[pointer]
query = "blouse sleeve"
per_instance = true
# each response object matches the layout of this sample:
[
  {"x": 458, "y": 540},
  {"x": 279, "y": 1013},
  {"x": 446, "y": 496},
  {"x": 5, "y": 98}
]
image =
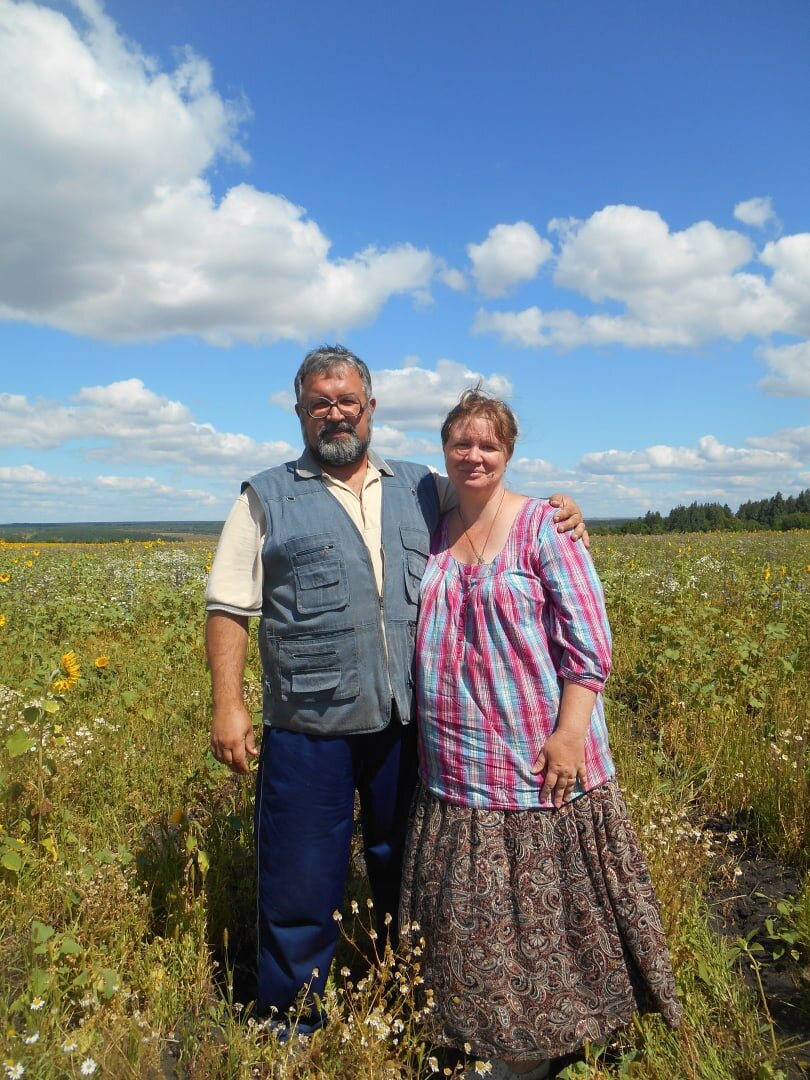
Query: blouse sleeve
[
  {"x": 235, "y": 581},
  {"x": 579, "y": 624}
]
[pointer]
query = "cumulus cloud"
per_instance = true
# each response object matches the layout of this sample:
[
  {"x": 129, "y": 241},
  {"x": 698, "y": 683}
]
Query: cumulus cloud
[
  {"x": 126, "y": 421},
  {"x": 391, "y": 442},
  {"x": 793, "y": 441},
  {"x": 790, "y": 367},
  {"x": 453, "y": 279},
  {"x": 33, "y": 494},
  {"x": 677, "y": 289},
  {"x": 757, "y": 212},
  {"x": 510, "y": 255},
  {"x": 22, "y": 474},
  {"x": 109, "y": 226},
  {"x": 135, "y": 486},
  {"x": 417, "y": 397},
  {"x": 709, "y": 456}
]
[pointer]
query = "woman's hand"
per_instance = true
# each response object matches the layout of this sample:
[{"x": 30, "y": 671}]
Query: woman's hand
[
  {"x": 569, "y": 518},
  {"x": 562, "y": 759}
]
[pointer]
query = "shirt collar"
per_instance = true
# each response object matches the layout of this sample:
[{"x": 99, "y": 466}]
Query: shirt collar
[{"x": 308, "y": 467}]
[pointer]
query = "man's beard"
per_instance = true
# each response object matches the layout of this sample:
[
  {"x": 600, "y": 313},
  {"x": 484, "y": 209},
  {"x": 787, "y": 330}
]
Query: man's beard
[{"x": 340, "y": 451}]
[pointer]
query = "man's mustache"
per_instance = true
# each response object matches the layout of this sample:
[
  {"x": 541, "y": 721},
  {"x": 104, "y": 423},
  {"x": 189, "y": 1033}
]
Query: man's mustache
[{"x": 335, "y": 427}]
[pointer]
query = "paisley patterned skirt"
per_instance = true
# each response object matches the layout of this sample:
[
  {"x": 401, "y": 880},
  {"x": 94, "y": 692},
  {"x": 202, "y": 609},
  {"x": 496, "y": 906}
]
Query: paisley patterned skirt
[{"x": 541, "y": 928}]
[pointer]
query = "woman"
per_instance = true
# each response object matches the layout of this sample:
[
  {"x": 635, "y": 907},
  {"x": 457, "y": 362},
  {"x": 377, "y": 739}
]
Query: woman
[{"x": 522, "y": 871}]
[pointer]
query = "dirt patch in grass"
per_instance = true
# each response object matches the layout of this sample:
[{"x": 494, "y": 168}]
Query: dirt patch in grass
[{"x": 740, "y": 903}]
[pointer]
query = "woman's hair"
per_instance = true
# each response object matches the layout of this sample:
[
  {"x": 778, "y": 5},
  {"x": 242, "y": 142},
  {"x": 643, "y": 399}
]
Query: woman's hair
[{"x": 475, "y": 404}]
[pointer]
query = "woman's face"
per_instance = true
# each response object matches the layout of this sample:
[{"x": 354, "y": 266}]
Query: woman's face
[{"x": 475, "y": 459}]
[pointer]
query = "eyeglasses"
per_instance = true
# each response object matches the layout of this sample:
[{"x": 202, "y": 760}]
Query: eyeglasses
[{"x": 351, "y": 407}]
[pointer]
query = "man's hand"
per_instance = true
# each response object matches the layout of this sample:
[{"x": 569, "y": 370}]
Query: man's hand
[
  {"x": 232, "y": 740},
  {"x": 569, "y": 518}
]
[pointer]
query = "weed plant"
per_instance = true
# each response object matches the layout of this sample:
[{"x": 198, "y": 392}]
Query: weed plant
[{"x": 127, "y": 907}]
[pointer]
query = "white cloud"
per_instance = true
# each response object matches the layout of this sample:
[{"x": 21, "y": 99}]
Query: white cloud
[
  {"x": 789, "y": 259},
  {"x": 148, "y": 486},
  {"x": 32, "y": 494},
  {"x": 109, "y": 226},
  {"x": 453, "y": 279},
  {"x": 22, "y": 474},
  {"x": 417, "y": 397},
  {"x": 794, "y": 441},
  {"x": 790, "y": 367},
  {"x": 756, "y": 212},
  {"x": 390, "y": 442},
  {"x": 510, "y": 255},
  {"x": 710, "y": 456},
  {"x": 133, "y": 424},
  {"x": 677, "y": 289}
]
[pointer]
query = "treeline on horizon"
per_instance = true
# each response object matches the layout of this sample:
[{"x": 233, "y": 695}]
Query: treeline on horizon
[
  {"x": 106, "y": 532},
  {"x": 777, "y": 513}
]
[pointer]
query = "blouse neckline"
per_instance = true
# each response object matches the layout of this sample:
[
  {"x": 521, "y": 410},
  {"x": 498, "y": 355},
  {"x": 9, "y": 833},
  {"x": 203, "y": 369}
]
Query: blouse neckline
[{"x": 469, "y": 570}]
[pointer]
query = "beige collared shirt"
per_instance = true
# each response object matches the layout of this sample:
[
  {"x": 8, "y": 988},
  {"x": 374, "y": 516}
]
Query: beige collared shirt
[{"x": 235, "y": 581}]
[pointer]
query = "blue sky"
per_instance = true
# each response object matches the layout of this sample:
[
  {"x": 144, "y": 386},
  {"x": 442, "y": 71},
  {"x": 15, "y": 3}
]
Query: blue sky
[{"x": 598, "y": 210}]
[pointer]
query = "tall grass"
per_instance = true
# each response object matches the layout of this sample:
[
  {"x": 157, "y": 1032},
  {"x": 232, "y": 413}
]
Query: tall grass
[{"x": 126, "y": 865}]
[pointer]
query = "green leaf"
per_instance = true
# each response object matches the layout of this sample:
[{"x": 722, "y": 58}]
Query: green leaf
[
  {"x": 69, "y": 947},
  {"x": 39, "y": 981},
  {"x": 40, "y": 932},
  {"x": 12, "y": 861},
  {"x": 19, "y": 743},
  {"x": 111, "y": 982},
  {"x": 51, "y": 706}
]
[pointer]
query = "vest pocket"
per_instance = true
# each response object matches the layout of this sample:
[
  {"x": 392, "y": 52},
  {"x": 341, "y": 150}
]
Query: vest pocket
[
  {"x": 319, "y": 667},
  {"x": 319, "y": 573},
  {"x": 416, "y": 546}
]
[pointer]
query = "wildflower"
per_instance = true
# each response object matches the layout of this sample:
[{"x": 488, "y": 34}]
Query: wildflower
[
  {"x": 69, "y": 1047},
  {"x": 88, "y": 1067},
  {"x": 29, "y": 1040},
  {"x": 36, "y": 1004},
  {"x": 2, "y": 620},
  {"x": 14, "y": 1071},
  {"x": 337, "y": 916},
  {"x": 433, "y": 1063},
  {"x": 101, "y": 661},
  {"x": 5, "y": 578},
  {"x": 73, "y": 672},
  {"x": 355, "y": 908}
]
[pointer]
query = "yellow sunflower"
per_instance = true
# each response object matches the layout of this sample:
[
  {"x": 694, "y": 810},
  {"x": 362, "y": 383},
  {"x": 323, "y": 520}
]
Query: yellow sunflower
[{"x": 73, "y": 672}]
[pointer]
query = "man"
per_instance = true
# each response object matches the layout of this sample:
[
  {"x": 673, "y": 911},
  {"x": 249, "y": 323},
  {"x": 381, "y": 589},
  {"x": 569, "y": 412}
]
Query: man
[{"x": 329, "y": 550}]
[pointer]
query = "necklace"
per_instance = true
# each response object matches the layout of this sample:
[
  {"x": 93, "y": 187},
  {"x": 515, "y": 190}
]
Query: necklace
[{"x": 480, "y": 556}]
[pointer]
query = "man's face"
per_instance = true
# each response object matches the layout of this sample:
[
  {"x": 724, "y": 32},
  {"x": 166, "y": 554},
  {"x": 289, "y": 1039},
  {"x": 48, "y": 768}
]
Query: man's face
[{"x": 335, "y": 439}]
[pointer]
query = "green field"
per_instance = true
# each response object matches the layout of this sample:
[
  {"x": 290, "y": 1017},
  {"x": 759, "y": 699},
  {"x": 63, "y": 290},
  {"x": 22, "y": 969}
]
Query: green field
[{"x": 126, "y": 898}]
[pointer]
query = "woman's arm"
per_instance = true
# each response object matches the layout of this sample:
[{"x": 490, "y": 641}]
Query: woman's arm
[{"x": 562, "y": 757}]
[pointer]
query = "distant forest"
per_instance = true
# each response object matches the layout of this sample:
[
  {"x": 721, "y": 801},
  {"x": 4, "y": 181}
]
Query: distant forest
[
  {"x": 777, "y": 513},
  {"x": 105, "y": 532}
]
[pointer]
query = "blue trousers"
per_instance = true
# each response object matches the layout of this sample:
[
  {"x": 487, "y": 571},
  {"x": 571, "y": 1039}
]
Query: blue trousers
[{"x": 304, "y": 820}]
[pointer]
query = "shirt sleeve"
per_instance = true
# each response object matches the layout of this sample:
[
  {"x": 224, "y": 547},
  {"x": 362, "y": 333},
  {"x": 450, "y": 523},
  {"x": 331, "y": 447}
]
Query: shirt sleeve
[
  {"x": 235, "y": 580},
  {"x": 580, "y": 623},
  {"x": 445, "y": 491}
]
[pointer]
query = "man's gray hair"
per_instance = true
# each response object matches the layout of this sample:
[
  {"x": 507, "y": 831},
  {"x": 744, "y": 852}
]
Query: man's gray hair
[{"x": 325, "y": 359}]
